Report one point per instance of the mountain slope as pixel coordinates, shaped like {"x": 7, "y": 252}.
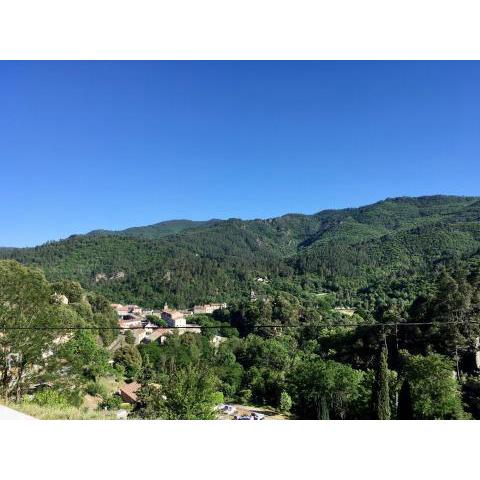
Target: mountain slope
{"x": 157, "y": 230}
{"x": 214, "y": 260}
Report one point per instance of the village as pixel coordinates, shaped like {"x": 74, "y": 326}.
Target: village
{"x": 155, "y": 325}
{"x": 150, "y": 325}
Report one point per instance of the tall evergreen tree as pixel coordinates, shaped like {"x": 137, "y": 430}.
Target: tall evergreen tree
{"x": 405, "y": 409}
{"x": 381, "y": 393}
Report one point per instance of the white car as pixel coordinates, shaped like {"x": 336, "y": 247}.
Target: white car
{"x": 229, "y": 409}
{"x": 257, "y": 416}
{"x": 243, "y": 417}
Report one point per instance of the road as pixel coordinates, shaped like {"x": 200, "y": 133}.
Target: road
{"x": 10, "y": 414}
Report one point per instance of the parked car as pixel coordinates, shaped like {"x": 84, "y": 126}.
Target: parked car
{"x": 243, "y": 417}
{"x": 257, "y": 416}
{"x": 225, "y": 408}
{"x": 229, "y": 409}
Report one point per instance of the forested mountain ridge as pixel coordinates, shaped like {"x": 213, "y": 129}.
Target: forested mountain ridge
{"x": 157, "y": 230}
{"x": 347, "y": 249}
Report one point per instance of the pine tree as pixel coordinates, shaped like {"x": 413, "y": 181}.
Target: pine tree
{"x": 381, "y": 393}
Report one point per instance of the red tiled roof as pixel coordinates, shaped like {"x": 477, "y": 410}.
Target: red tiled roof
{"x": 129, "y": 390}
{"x": 173, "y": 314}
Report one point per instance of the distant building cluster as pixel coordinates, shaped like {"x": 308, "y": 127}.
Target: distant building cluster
{"x": 208, "y": 308}
{"x": 134, "y": 318}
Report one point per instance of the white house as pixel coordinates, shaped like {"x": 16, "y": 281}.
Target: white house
{"x": 174, "y": 318}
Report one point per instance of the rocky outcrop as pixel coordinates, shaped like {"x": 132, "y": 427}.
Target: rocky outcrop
{"x": 103, "y": 277}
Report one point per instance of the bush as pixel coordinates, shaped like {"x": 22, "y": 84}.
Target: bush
{"x": 50, "y": 398}
{"x": 325, "y": 389}
{"x": 129, "y": 338}
{"x": 113, "y": 402}
{"x": 119, "y": 372}
{"x": 130, "y": 358}
{"x": 96, "y": 389}
{"x": 285, "y": 402}
{"x": 245, "y": 396}
{"x": 433, "y": 391}
{"x": 157, "y": 320}
{"x": 219, "y": 398}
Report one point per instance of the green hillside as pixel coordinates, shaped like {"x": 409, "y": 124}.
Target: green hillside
{"x": 157, "y": 230}
{"x": 346, "y": 251}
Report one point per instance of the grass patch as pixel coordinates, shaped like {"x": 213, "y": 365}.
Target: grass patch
{"x": 61, "y": 413}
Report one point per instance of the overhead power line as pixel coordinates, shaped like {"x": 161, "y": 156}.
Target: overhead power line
{"x": 211, "y": 327}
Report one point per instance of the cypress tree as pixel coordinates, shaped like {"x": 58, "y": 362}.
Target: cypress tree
{"x": 381, "y": 393}
{"x": 321, "y": 404}
{"x": 147, "y": 370}
{"x": 323, "y": 410}
{"x": 405, "y": 407}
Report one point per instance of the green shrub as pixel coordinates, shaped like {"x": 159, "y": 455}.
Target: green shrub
{"x": 285, "y": 402}
{"x": 219, "y": 397}
{"x": 113, "y": 402}
{"x": 50, "y": 398}
{"x": 245, "y": 396}
{"x": 96, "y": 389}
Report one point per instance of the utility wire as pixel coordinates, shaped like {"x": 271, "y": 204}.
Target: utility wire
{"x": 208, "y": 327}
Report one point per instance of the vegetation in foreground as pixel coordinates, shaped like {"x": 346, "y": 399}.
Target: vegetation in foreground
{"x": 313, "y": 365}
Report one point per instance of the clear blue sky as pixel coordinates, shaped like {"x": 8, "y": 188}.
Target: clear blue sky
{"x": 86, "y": 145}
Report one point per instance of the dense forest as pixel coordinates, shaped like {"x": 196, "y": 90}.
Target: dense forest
{"x": 293, "y": 353}
{"x": 408, "y": 267}
{"x": 364, "y": 255}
